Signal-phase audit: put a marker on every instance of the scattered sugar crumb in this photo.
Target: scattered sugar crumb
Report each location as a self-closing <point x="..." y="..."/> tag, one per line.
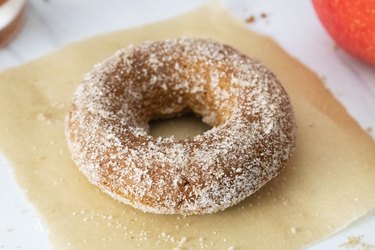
<point x="356" y="242"/>
<point x="42" y="117"/>
<point x="180" y="243"/>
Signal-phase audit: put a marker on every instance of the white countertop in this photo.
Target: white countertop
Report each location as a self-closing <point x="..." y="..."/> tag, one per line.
<point x="52" y="24"/>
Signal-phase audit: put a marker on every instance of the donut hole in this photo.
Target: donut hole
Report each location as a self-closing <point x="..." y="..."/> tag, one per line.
<point x="181" y="126"/>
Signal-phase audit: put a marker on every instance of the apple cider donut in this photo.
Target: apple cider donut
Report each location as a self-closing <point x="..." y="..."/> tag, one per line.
<point x="253" y="132"/>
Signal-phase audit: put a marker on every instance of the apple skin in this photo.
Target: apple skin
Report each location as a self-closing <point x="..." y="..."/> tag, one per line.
<point x="351" y="23"/>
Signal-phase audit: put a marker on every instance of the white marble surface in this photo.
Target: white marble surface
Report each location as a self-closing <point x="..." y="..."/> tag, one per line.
<point x="54" y="23"/>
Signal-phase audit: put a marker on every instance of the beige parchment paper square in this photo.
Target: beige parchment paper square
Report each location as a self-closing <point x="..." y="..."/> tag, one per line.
<point x="329" y="182"/>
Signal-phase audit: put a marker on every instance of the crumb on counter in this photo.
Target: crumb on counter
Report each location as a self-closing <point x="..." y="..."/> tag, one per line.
<point x="250" y="19"/>
<point x="356" y="242"/>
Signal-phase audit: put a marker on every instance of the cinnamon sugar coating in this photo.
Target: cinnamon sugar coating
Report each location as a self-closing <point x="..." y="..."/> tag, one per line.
<point x="253" y="132"/>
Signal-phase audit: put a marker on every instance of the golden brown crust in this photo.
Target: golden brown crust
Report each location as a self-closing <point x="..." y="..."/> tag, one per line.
<point x="252" y="137"/>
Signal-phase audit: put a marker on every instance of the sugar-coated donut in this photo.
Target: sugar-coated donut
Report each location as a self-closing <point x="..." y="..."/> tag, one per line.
<point x="253" y="132"/>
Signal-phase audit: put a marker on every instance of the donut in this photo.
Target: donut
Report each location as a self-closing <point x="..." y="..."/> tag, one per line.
<point x="252" y="136"/>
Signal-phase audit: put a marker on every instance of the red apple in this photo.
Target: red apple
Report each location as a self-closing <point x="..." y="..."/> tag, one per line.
<point x="351" y="23"/>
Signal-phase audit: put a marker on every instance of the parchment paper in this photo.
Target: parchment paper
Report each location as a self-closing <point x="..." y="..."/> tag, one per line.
<point x="329" y="182"/>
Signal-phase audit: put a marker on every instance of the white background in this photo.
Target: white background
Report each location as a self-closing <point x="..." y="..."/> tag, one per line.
<point x="293" y="24"/>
